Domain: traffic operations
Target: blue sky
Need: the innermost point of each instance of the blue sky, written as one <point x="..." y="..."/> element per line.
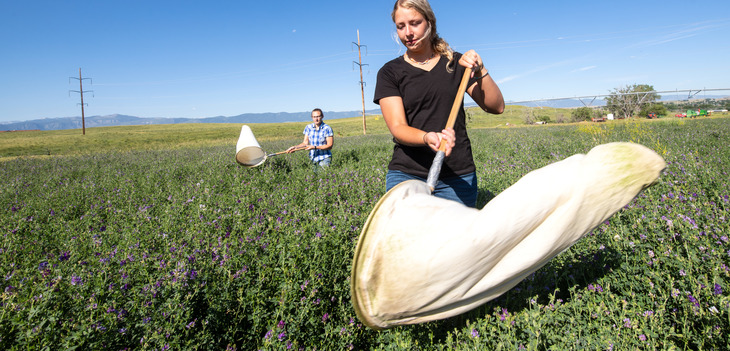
<point x="223" y="58"/>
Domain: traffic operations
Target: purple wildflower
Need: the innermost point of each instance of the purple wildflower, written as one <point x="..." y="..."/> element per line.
<point x="474" y="333"/>
<point x="718" y="289"/>
<point x="693" y="300"/>
<point x="503" y="316"/>
<point x="596" y="288"/>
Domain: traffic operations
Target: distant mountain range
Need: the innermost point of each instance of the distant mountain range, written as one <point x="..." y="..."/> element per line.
<point x="124" y="120"/>
<point x="59" y="123"/>
<point x="246" y="118"/>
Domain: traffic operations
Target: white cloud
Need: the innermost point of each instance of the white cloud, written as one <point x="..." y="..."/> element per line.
<point x="507" y="79"/>
<point x="583" y="69"/>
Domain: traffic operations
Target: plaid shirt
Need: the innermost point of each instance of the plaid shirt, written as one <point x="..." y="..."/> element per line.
<point x="318" y="137"/>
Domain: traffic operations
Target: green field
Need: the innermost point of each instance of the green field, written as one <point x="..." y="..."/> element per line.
<point x="152" y="237"/>
<point x="165" y="137"/>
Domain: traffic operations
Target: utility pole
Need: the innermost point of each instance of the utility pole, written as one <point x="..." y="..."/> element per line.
<point x="81" y="92"/>
<point x="362" y="83"/>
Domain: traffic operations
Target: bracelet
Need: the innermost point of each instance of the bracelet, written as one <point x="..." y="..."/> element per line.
<point x="424" y="138"/>
<point x="485" y="73"/>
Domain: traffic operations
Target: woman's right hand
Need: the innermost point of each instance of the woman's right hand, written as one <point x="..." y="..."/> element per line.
<point x="433" y="140"/>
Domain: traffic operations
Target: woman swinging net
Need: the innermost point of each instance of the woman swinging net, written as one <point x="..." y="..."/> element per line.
<point x="421" y="258"/>
<point x="415" y="92"/>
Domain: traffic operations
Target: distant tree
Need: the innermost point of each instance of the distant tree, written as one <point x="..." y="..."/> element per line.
<point x="528" y="116"/>
<point x="658" y="109"/>
<point x="706" y="104"/>
<point x="627" y="101"/>
<point x="582" y="114"/>
<point x="470" y="112"/>
<point x="672" y="106"/>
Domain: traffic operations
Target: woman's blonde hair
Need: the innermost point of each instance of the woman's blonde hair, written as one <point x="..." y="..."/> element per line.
<point x="439" y="45"/>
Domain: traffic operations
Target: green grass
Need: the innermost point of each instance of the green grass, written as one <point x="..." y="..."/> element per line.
<point x="163" y="137"/>
<point x="153" y="237"/>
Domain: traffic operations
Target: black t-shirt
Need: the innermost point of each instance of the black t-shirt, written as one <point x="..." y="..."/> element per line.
<point x="427" y="99"/>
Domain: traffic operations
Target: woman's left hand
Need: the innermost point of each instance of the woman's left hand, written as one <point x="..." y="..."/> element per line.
<point x="472" y="60"/>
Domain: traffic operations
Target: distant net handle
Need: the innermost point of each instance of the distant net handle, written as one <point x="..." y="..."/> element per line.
<point x="285" y="151"/>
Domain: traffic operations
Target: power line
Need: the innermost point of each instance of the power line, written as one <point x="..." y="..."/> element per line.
<point x="81" y="92"/>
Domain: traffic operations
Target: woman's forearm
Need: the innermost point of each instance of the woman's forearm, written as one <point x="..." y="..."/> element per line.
<point x="487" y="95"/>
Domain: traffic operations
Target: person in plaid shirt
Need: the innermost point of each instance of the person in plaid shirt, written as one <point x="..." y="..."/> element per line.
<point x="318" y="139"/>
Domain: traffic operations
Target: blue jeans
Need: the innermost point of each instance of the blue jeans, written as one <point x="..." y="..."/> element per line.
<point x="461" y="189"/>
<point x="322" y="163"/>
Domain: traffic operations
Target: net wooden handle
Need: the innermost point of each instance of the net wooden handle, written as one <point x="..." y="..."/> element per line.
<point x="457" y="104"/>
